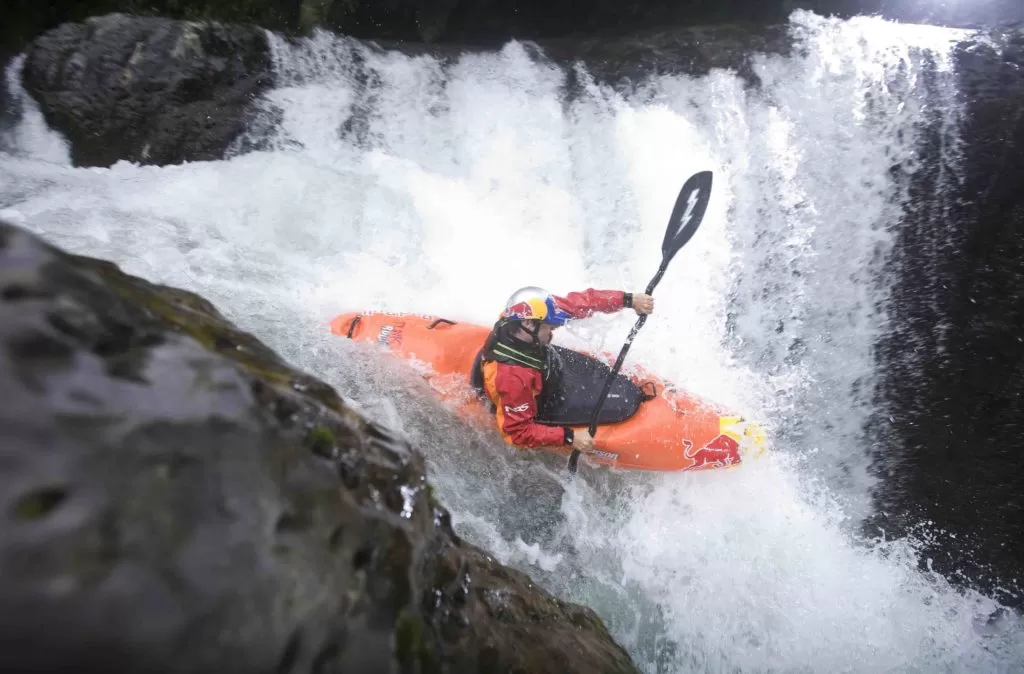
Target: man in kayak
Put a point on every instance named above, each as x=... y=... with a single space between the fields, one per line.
x=514 y=360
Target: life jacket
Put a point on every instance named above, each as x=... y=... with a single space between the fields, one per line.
x=502 y=347
x=572 y=381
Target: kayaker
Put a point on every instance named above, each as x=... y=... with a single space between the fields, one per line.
x=513 y=363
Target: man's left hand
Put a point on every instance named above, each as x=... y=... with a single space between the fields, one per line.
x=643 y=304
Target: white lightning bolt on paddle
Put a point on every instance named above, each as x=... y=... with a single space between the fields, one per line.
x=688 y=215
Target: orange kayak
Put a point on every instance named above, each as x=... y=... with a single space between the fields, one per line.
x=646 y=424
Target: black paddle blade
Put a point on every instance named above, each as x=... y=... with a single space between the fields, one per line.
x=687 y=214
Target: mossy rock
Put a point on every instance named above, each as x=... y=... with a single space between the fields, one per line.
x=179 y=499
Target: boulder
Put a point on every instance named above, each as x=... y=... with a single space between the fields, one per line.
x=148 y=90
x=176 y=498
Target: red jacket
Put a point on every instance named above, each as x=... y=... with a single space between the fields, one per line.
x=514 y=388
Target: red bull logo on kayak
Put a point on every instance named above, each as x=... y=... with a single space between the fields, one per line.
x=721 y=452
x=390 y=335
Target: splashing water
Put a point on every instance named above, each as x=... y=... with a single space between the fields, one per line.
x=413 y=184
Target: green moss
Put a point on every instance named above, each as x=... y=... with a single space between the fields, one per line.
x=321 y=440
x=313 y=13
x=39 y=503
x=408 y=636
x=411 y=645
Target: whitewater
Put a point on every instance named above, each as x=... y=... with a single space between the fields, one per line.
x=377 y=180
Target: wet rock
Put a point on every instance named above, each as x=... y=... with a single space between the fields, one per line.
x=177 y=499
x=148 y=90
x=24 y=20
x=694 y=51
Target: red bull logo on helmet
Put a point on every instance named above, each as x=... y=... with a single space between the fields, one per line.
x=538 y=309
x=721 y=452
x=531 y=309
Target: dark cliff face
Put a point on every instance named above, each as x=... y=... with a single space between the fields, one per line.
x=953 y=454
x=175 y=498
x=489 y=22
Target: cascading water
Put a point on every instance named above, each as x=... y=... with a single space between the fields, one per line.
x=413 y=184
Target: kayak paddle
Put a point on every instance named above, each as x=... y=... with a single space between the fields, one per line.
x=682 y=225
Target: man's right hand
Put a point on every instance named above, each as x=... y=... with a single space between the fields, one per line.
x=583 y=441
x=643 y=304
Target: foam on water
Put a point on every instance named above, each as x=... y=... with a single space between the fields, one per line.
x=410 y=184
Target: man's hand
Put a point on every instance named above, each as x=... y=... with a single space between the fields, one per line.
x=582 y=441
x=643 y=304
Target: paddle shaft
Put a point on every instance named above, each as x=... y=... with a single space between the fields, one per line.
x=686 y=217
x=622 y=354
x=574 y=458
